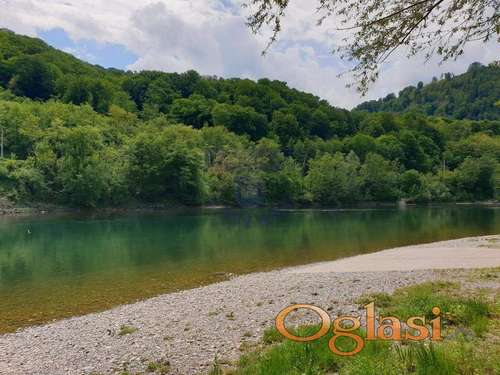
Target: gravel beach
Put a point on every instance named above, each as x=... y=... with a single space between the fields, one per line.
x=190 y=328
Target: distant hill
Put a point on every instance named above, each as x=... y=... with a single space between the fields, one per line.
x=14 y=46
x=473 y=95
x=31 y=68
x=78 y=134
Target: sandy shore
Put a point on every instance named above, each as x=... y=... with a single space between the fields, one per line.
x=190 y=328
x=475 y=252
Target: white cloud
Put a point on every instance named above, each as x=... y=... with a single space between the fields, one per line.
x=211 y=37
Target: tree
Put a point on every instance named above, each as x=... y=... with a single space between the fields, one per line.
x=410 y=183
x=285 y=185
x=258 y=95
x=334 y=179
x=21 y=128
x=241 y=120
x=475 y=146
x=477 y=179
x=164 y=165
x=20 y=180
x=101 y=96
x=414 y=156
x=5 y=73
x=195 y=111
x=320 y=124
x=137 y=86
x=470 y=95
x=361 y=144
x=234 y=177
x=390 y=147
x=75 y=168
x=378 y=124
x=75 y=90
x=268 y=155
x=377 y=28
x=379 y=179
x=125 y=133
x=434 y=188
x=218 y=140
x=85 y=90
x=285 y=126
x=186 y=83
x=159 y=96
x=33 y=78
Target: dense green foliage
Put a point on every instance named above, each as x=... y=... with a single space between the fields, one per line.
x=78 y=134
x=473 y=95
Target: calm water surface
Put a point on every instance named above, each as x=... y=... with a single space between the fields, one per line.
x=53 y=267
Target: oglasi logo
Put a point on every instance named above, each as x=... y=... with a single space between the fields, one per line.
x=416 y=329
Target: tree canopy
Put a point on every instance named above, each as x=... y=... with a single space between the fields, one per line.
x=85 y=136
x=473 y=95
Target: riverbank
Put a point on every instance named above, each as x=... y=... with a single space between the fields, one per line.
x=189 y=329
x=481 y=252
x=10 y=209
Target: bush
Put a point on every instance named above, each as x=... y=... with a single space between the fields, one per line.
x=165 y=166
x=334 y=179
x=476 y=179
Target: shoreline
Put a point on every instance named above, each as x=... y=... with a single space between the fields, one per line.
x=190 y=328
x=462 y=253
x=13 y=211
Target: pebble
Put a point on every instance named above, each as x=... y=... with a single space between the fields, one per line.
x=82 y=345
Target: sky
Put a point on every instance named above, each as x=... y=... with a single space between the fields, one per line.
x=211 y=37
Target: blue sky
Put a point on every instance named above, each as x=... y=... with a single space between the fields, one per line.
x=108 y=55
x=211 y=37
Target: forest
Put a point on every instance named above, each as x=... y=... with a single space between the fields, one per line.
x=80 y=135
x=473 y=95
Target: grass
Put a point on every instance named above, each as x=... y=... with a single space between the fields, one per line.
x=126 y=330
x=470 y=328
x=272 y=336
x=160 y=367
x=382 y=300
x=216 y=368
x=418 y=300
x=486 y=274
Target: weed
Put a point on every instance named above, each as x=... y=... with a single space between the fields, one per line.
x=272 y=336
x=126 y=330
x=161 y=367
x=381 y=300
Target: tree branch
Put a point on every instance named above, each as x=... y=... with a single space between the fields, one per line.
x=379 y=20
x=408 y=33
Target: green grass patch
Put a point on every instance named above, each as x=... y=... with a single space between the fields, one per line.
x=382 y=300
x=486 y=274
x=463 y=351
x=289 y=357
x=126 y=330
x=272 y=336
x=418 y=300
x=160 y=367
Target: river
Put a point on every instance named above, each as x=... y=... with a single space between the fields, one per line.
x=53 y=267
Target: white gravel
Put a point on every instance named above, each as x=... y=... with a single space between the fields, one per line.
x=472 y=252
x=191 y=327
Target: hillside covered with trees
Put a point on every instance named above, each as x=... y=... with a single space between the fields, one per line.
x=474 y=95
x=81 y=135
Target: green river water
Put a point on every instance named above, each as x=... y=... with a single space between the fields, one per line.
x=58 y=266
